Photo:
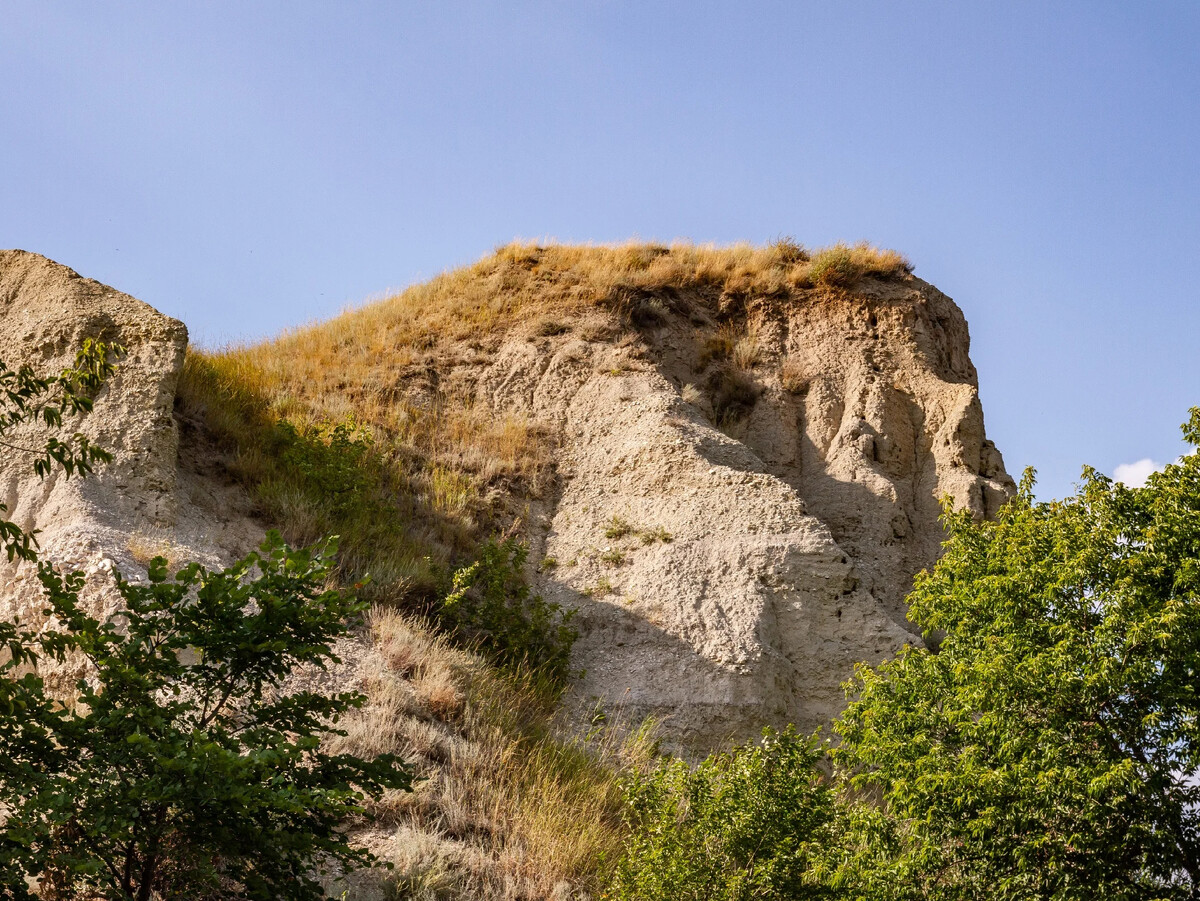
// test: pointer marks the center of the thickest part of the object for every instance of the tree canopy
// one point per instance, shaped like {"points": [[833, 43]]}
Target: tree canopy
{"points": [[1046, 746], [1050, 748]]}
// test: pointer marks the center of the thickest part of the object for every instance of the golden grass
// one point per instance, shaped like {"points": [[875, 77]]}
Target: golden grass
{"points": [[793, 377], [533, 805], [523, 282], [745, 353]]}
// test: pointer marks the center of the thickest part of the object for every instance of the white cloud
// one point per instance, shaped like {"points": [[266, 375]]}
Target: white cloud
{"points": [[1135, 474]]}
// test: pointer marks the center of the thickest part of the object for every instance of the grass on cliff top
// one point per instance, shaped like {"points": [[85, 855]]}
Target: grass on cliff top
{"points": [[305, 415]]}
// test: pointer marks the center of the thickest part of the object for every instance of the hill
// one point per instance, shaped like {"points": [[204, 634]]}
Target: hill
{"points": [[727, 461]]}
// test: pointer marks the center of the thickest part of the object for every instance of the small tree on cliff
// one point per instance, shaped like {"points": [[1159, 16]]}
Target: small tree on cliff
{"points": [[1051, 748], [178, 771]]}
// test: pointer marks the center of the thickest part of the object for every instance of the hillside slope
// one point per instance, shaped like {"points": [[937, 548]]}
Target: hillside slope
{"points": [[728, 461], [788, 422]]}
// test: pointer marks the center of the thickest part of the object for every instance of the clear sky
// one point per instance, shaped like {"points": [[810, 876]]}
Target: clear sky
{"points": [[247, 166]]}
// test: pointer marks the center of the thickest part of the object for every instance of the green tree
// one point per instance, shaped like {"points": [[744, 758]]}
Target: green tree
{"points": [[1050, 748], [179, 770], [745, 824]]}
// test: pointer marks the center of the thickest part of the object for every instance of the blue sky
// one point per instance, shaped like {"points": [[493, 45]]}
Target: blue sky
{"points": [[250, 166]]}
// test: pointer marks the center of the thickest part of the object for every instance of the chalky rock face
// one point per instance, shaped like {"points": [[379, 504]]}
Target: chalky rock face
{"points": [[46, 313], [794, 533], [727, 571]]}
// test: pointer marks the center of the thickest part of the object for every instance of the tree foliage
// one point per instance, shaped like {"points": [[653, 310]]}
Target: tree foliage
{"points": [[1050, 749], [489, 606], [179, 769], [742, 825]]}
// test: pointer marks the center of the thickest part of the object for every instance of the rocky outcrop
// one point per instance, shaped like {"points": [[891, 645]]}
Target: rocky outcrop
{"points": [[46, 312], [745, 486], [745, 495], [136, 506]]}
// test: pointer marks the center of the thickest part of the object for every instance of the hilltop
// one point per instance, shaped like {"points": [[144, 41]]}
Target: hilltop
{"points": [[727, 461]]}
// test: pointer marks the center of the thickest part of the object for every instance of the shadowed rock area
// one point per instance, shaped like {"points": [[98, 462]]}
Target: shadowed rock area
{"points": [[795, 525]]}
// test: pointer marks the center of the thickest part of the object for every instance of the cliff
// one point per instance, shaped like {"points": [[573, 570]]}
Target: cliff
{"points": [[728, 461]]}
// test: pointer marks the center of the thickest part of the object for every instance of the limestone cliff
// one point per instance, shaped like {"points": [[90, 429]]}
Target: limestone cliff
{"points": [[796, 522], [743, 482]]}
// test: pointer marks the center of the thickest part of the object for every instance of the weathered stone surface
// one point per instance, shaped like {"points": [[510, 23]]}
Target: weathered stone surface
{"points": [[46, 312], [130, 509], [794, 532]]}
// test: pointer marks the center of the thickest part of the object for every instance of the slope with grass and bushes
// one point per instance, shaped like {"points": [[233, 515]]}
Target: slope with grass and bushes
{"points": [[719, 468]]}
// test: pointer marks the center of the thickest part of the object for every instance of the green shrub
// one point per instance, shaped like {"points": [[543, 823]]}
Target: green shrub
{"points": [[742, 825], [177, 769], [1050, 748], [490, 606], [618, 528], [180, 771], [835, 266]]}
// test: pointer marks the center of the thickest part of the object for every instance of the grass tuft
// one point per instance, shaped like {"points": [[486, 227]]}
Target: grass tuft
{"points": [[844, 265], [510, 806], [618, 528]]}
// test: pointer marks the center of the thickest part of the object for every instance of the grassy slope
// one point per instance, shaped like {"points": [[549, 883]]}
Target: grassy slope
{"points": [[344, 428]]}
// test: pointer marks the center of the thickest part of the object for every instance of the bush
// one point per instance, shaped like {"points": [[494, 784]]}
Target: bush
{"points": [[785, 251], [490, 607], [835, 266], [179, 771], [842, 265], [743, 825]]}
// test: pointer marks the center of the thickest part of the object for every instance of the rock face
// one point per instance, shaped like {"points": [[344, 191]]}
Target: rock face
{"points": [[744, 490], [46, 312], [133, 508], [729, 570]]}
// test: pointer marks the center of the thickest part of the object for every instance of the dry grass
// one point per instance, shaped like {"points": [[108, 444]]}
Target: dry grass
{"points": [[732, 393], [720, 345], [523, 282], [418, 482], [145, 546], [843, 265], [746, 351], [509, 806]]}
